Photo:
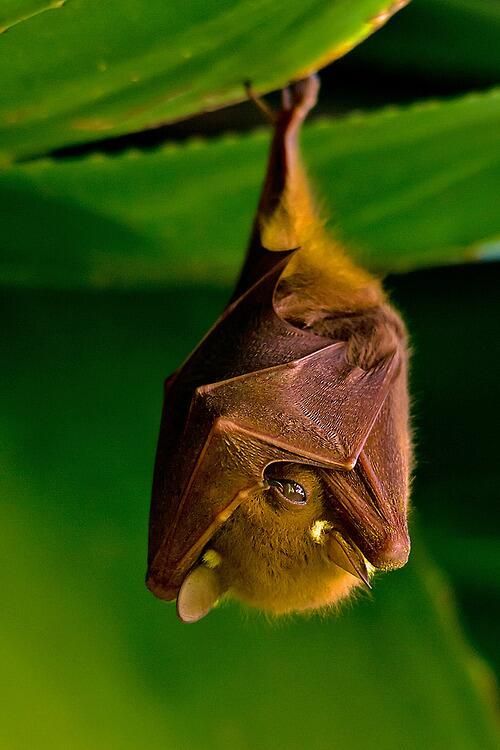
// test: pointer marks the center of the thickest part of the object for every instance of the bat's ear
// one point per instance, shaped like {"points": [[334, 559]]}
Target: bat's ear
{"points": [[198, 594]]}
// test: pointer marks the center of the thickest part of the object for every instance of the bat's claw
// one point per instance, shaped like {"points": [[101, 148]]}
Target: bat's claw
{"points": [[262, 105]]}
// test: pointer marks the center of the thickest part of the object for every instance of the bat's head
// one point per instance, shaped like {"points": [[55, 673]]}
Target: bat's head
{"points": [[285, 549]]}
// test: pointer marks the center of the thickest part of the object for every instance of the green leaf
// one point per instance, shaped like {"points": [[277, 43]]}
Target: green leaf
{"points": [[99, 662], [453, 39], [406, 188], [457, 554], [96, 69], [452, 315], [16, 11]]}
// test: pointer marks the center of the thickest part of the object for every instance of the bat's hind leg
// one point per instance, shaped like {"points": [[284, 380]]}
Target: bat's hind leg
{"points": [[285, 176], [285, 204]]}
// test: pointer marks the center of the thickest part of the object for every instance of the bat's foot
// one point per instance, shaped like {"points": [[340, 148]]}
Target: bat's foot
{"points": [[300, 97], [297, 100]]}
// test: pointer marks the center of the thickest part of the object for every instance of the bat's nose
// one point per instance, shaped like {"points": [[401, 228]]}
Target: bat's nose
{"points": [[393, 551]]}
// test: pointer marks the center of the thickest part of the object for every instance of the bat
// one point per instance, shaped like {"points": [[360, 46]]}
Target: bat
{"points": [[284, 454]]}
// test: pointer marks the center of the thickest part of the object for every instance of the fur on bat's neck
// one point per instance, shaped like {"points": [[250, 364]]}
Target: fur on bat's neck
{"points": [[320, 280]]}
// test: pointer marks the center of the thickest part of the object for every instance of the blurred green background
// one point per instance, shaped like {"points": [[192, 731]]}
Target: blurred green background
{"points": [[118, 252]]}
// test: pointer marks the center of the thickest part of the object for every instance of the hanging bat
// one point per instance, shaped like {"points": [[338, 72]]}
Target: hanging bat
{"points": [[283, 461]]}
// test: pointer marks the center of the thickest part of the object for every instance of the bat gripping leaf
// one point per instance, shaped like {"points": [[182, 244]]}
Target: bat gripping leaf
{"points": [[305, 370]]}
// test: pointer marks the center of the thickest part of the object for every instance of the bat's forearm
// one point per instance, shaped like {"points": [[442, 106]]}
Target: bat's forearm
{"points": [[285, 206]]}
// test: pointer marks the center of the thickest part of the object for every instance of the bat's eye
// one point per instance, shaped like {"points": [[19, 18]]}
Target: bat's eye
{"points": [[292, 491]]}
